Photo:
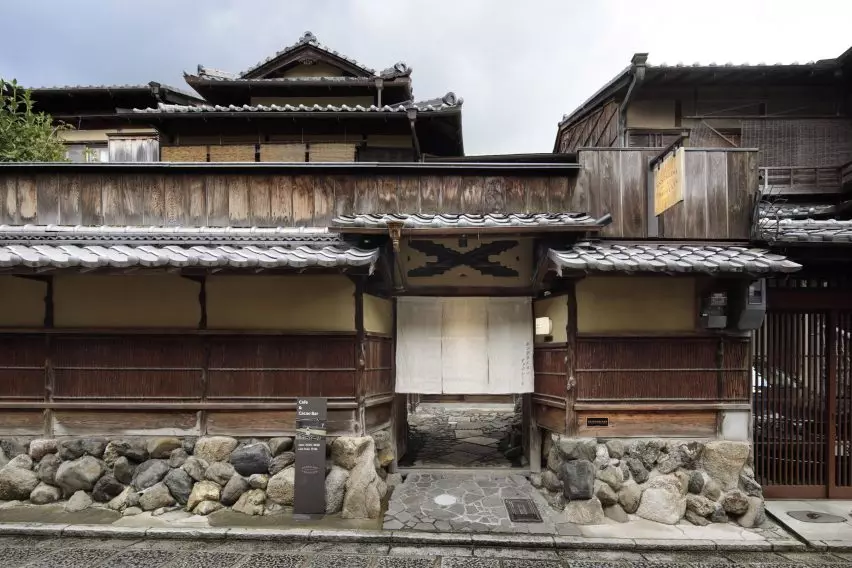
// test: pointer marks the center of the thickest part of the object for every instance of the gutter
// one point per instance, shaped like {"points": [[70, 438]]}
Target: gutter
{"points": [[412, 121], [637, 70]]}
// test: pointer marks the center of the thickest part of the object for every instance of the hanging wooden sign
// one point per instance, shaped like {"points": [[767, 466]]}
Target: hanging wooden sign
{"points": [[669, 181]]}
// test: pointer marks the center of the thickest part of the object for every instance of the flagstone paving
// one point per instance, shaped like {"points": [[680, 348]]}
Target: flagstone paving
{"points": [[468, 502], [29, 552], [461, 435]]}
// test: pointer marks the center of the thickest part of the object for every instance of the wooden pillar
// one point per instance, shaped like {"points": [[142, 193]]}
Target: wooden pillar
{"points": [[532, 434], [49, 373], [571, 425], [360, 357], [831, 358]]}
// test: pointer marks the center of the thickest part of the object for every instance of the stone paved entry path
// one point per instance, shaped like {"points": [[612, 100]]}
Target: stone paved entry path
{"points": [[463, 435], [468, 502]]}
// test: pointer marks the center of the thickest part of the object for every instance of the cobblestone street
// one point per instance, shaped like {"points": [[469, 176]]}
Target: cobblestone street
{"points": [[462, 435], [32, 552]]}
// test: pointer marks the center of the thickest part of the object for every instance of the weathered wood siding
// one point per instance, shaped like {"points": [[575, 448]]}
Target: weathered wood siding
{"points": [[265, 199], [133, 149], [597, 130], [192, 383]]}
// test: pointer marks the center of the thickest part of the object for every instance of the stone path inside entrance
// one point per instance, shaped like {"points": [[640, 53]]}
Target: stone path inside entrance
{"points": [[464, 435], [468, 502]]}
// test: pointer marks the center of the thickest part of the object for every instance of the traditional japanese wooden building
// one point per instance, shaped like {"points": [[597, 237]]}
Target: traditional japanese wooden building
{"points": [[797, 117]]}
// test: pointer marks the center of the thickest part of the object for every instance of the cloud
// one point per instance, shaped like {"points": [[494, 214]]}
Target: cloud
{"points": [[519, 65]]}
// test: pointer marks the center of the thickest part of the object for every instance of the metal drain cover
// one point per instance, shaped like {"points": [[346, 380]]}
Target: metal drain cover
{"points": [[522, 511], [815, 517]]}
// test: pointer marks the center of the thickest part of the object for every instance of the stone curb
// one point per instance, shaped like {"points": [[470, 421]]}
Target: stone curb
{"points": [[406, 538]]}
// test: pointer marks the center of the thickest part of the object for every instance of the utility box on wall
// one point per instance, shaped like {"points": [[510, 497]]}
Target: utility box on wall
{"points": [[714, 310], [748, 305]]}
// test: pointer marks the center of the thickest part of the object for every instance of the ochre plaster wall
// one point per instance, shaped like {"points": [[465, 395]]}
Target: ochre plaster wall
{"points": [[100, 135], [378, 315], [651, 114], [636, 304], [107, 301], [21, 302], [556, 308], [518, 258], [287, 303], [315, 70]]}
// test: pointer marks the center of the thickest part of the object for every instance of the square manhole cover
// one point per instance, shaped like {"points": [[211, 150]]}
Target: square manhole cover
{"points": [[522, 511], [815, 517]]}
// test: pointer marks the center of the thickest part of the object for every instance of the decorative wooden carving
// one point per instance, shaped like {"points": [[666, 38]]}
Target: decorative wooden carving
{"points": [[478, 258]]}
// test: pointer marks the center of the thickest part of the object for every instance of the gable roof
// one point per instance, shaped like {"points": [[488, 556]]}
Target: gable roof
{"points": [[307, 44]]}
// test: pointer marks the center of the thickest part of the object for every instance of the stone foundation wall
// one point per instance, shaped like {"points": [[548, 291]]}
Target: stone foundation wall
{"points": [[203, 475], [659, 480]]}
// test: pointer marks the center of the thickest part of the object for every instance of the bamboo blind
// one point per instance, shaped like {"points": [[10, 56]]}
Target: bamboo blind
{"points": [[282, 152], [332, 152], [183, 154], [232, 153]]}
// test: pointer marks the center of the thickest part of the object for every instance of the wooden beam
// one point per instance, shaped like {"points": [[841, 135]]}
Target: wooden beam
{"points": [[360, 356], [659, 406], [571, 424]]}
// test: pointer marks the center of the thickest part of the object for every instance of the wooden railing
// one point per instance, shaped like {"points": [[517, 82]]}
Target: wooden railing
{"points": [[777, 180]]}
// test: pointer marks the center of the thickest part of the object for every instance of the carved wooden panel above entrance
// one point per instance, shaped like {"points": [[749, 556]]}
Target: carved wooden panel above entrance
{"points": [[478, 258], [467, 261]]}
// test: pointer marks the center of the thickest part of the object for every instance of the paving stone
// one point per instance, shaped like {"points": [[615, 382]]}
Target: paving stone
{"points": [[73, 559], [431, 551], [404, 562], [510, 552], [481, 441], [346, 548], [274, 561], [18, 556], [521, 563], [208, 560], [141, 559], [811, 559], [460, 562], [331, 561]]}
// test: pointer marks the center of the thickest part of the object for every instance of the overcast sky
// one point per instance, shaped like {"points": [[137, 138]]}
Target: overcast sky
{"points": [[519, 64]]}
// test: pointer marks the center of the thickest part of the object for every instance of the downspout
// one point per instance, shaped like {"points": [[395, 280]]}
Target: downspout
{"points": [[380, 84], [637, 69], [412, 120]]}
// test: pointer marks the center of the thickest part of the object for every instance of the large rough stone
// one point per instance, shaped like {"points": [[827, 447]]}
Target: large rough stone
{"points": [[615, 448], [207, 507], [180, 485], [13, 447], [662, 500], [281, 461], [712, 490], [47, 467], [577, 448], [203, 491], [629, 496], [123, 470], [119, 502], [586, 512], [41, 447], [95, 447], [719, 515], [755, 515], [696, 482], [251, 503], [554, 459], [44, 494], [616, 513], [16, 483], [346, 450], [178, 457], [131, 511], [535, 480], [149, 473], [258, 481], [382, 439], [364, 488], [279, 445], [107, 488], [695, 519], [637, 469], [578, 479], [605, 494], [215, 448], [335, 489], [386, 456], [612, 476], [134, 450], [646, 451], [79, 501], [234, 489], [735, 502], [155, 497], [550, 481], [21, 461], [601, 457], [724, 460], [220, 472], [195, 467], [78, 474], [253, 458], [110, 455], [555, 500], [748, 484], [280, 488], [71, 449], [701, 506], [163, 446]]}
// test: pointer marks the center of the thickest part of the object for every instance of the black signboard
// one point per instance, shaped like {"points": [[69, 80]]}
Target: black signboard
{"points": [[309, 494]]}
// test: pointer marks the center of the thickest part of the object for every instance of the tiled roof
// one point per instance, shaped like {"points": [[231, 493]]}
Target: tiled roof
{"points": [[706, 259], [158, 256], [108, 234], [443, 221], [399, 69], [309, 39], [794, 210], [449, 101], [805, 230]]}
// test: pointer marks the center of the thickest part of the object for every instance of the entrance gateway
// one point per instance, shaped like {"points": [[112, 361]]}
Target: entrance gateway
{"points": [[464, 345]]}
